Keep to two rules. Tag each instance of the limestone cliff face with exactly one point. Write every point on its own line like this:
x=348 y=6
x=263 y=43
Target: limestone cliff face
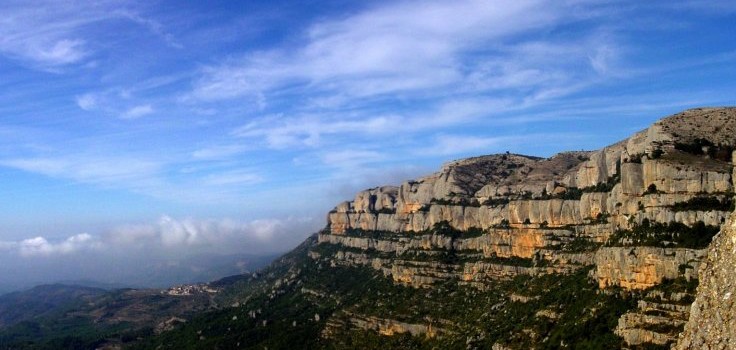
x=712 y=323
x=503 y=243
x=382 y=326
x=592 y=194
x=644 y=267
x=616 y=210
x=649 y=169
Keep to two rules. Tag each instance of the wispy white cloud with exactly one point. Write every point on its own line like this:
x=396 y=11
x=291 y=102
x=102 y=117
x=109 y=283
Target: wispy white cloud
x=236 y=177
x=717 y=7
x=357 y=128
x=399 y=48
x=89 y=169
x=86 y=102
x=457 y=62
x=64 y=51
x=219 y=152
x=348 y=160
x=40 y=246
x=351 y=156
x=137 y=112
x=209 y=183
x=307 y=130
x=455 y=144
x=601 y=59
x=119 y=103
x=152 y=25
x=51 y=34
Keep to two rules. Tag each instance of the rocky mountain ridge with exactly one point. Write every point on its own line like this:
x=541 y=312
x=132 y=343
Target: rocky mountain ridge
x=586 y=250
x=641 y=211
x=676 y=159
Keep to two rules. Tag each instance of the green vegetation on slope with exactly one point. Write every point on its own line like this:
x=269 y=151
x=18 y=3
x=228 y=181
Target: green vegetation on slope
x=442 y=228
x=313 y=304
x=701 y=146
x=88 y=319
x=658 y=234
x=705 y=204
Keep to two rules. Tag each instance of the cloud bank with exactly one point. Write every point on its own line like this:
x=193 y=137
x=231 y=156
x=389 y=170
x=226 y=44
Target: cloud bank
x=168 y=250
x=174 y=236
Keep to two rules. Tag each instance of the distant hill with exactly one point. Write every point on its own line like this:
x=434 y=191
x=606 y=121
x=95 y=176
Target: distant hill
x=40 y=301
x=87 y=314
x=593 y=250
x=196 y=269
x=75 y=317
x=163 y=273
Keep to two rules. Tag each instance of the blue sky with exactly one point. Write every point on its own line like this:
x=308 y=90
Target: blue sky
x=237 y=124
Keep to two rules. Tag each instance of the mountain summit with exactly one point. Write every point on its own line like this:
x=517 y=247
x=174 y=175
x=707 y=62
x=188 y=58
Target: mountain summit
x=584 y=250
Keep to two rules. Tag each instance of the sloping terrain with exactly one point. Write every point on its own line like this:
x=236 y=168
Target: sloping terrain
x=74 y=317
x=34 y=303
x=712 y=323
x=583 y=250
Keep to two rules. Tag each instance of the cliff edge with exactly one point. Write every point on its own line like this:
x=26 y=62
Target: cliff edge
x=712 y=323
x=582 y=250
x=638 y=214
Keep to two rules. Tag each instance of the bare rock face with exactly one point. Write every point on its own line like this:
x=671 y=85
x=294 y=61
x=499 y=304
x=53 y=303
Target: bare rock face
x=632 y=179
x=555 y=212
x=677 y=156
x=601 y=165
x=621 y=212
x=688 y=174
x=375 y=200
x=712 y=323
x=644 y=267
x=383 y=326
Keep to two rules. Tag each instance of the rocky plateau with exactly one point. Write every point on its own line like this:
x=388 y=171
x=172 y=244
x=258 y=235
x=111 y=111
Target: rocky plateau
x=640 y=212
